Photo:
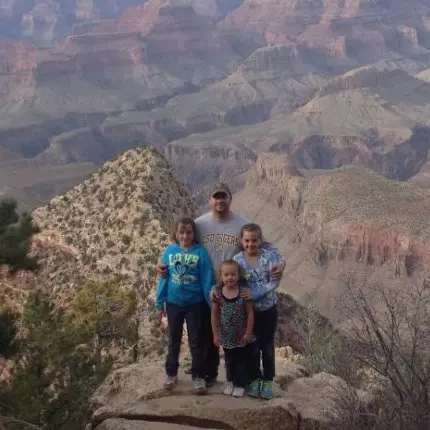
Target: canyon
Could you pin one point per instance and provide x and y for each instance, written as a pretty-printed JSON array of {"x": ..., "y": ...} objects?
[
  {"x": 211, "y": 86},
  {"x": 216, "y": 87}
]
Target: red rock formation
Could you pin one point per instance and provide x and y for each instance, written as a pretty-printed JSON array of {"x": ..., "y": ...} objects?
[
  {"x": 92, "y": 52},
  {"x": 349, "y": 213},
  {"x": 366, "y": 43},
  {"x": 322, "y": 24},
  {"x": 17, "y": 61},
  {"x": 16, "y": 56},
  {"x": 169, "y": 29},
  {"x": 321, "y": 39},
  {"x": 157, "y": 28},
  {"x": 274, "y": 21}
]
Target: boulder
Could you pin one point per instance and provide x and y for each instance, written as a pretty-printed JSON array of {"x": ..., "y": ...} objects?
[
  {"x": 133, "y": 397},
  {"x": 123, "y": 424}
]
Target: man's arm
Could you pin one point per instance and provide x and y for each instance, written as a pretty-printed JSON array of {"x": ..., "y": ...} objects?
[
  {"x": 278, "y": 268},
  {"x": 206, "y": 274},
  {"x": 161, "y": 268},
  {"x": 161, "y": 293},
  {"x": 162, "y": 287}
]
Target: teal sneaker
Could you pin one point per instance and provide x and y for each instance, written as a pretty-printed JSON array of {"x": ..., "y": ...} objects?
[
  {"x": 254, "y": 388},
  {"x": 266, "y": 390}
]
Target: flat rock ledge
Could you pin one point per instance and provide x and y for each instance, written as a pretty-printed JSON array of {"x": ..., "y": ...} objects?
[{"x": 133, "y": 398}]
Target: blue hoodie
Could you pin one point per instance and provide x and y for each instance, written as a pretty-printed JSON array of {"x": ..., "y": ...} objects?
[{"x": 189, "y": 279}]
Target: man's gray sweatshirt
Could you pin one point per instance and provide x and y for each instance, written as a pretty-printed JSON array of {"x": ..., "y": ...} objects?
[{"x": 222, "y": 238}]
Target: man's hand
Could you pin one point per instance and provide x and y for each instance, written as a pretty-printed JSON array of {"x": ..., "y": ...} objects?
[
  {"x": 217, "y": 340},
  {"x": 213, "y": 295},
  {"x": 246, "y": 294},
  {"x": 161, "y": 269},
  {"x": 161, "y": 313},
  {"x": 277, "y": 271}
]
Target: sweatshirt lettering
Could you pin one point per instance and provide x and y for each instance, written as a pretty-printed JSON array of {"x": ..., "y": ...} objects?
[{"x": 191, "y": 259}]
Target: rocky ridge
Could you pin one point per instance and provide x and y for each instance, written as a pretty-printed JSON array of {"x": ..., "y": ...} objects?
[
  {"x": 122, "y": 215},
  {"x": 113, "y": 225}
]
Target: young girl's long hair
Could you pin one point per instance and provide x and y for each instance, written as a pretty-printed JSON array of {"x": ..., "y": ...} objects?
[
  {"x": 242, "y": 280},
  {"x": 185, "y": 221}
]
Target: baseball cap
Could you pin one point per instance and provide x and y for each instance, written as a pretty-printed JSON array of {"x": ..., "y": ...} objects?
[{"x": 220, "y": 187}]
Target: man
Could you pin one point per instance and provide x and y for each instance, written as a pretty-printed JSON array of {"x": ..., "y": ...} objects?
[{"x": 219, "y": 232}]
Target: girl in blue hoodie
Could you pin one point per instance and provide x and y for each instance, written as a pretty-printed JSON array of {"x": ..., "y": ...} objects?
[{"x": 182, "y": 296}]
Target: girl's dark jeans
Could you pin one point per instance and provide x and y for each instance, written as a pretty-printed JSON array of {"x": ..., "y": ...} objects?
[{"x": 193, "y": 316}]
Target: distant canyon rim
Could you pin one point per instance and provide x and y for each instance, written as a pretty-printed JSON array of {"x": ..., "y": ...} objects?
[{"x": 211, "y": 85}]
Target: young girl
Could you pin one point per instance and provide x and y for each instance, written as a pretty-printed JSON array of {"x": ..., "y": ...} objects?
[
  {"x": 232, "y": 320},
  {"x": 257, "y": 262},
  {"x": 182, "y": 295}
]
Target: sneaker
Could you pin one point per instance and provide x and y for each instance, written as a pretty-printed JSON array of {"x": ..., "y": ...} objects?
[
  {"x": 228, "y": 389},
  {"x": 199, "y": 386},
  {"x": 238, "y": 392},
  {"x": 266, "y": 390},
  {"x": 254, "y": 389},
  {"x": 210, "y": 382},
  {"x": 170, "y": 381}
]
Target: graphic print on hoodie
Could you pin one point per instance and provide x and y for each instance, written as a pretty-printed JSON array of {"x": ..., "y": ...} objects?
[{"x": 189, "y": 277}]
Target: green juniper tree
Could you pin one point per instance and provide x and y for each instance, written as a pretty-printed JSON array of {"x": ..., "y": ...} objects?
[
  {"x": 15, "y": 236},
  {"x": 60, "y": 362}
]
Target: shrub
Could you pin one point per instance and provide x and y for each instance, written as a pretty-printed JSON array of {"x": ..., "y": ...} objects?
[
  {"x": 390, "y": 339},
  {"x": 15, "y": 237},
  {"x": 126, "y": 240}
]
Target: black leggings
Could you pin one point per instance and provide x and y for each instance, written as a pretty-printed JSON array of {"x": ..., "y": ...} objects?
[
  {"x": 237, "y": 362},
  {"x": 264, "y": 329}
]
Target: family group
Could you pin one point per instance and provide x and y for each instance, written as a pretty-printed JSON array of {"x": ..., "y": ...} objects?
[{"x": 220, "y": 277}]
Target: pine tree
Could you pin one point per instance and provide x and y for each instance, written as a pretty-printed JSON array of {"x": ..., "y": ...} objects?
[
  {"x": 64, "y": 354},
  {"x": 105, "y": 309},
  {"x": 15, "y": 236},
  {"x": 56, "y": 371}
]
